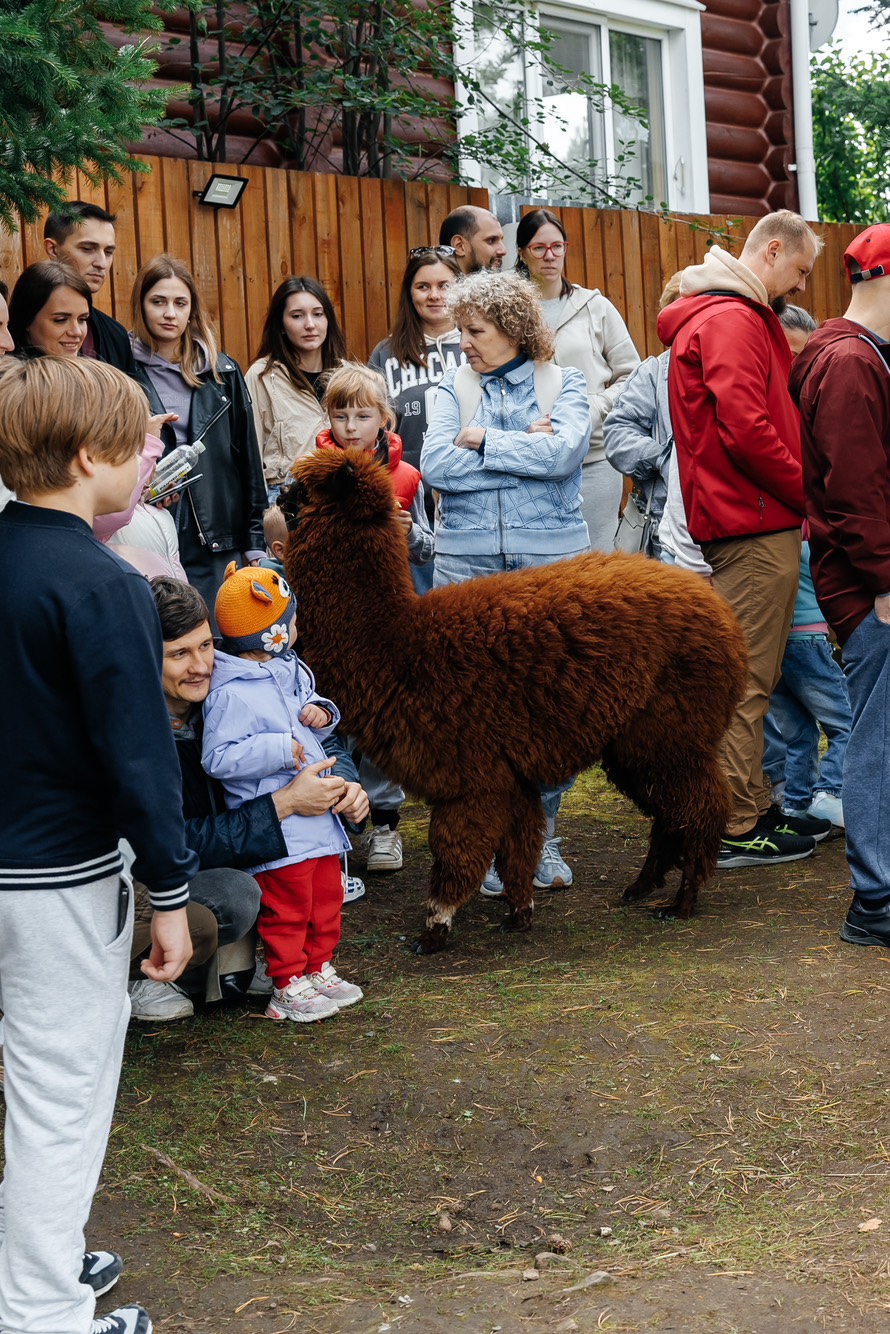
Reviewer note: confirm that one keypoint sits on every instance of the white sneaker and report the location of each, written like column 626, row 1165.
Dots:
column 826, row 806
column 327, row 983
column 353, row 888
column 158, row 1002
column 384, row 849
column 300, row 1001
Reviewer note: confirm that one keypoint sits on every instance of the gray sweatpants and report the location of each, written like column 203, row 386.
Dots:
column 63, row 990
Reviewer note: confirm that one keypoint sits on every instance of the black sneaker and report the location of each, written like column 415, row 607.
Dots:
column 101, row 1270
column 762, row 847
column 798, row 825
column 866, row 926
column 125, row 1320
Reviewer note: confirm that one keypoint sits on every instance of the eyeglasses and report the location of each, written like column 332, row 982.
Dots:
column 557, row 249
column 444, row 250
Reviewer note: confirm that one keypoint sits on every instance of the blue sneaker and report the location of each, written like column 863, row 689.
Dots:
column 492, row 885
column 552, row 872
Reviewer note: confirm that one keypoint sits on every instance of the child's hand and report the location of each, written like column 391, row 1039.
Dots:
column 297, row 751
column 404, row 519
column 313, row 715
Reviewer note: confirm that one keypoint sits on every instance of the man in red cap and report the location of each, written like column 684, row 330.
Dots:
column 841, row 383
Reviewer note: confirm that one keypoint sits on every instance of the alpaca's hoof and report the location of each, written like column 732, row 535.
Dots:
column 432, row 940
column 518, row 919
column 636, row 891
column 675, row 911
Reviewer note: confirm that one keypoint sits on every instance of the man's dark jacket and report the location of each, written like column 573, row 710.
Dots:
column 112, row 342
column 241, row 838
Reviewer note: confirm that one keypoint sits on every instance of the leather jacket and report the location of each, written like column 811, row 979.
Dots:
column 229, row 500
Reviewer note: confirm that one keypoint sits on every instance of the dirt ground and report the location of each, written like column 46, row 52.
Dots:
column 611, row 1123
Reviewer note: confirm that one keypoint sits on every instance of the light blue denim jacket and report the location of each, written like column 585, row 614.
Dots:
column 251, row 716
column 519, row 493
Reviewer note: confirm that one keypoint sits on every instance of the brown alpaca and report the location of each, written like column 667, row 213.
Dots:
column 474, row 695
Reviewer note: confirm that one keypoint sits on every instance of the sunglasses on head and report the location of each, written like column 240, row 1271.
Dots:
column 444, row 250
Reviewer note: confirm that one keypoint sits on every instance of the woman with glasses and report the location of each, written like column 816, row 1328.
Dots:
column 592, row 336
column 423, row 345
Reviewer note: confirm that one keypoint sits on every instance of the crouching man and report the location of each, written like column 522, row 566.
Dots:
column 225, row 841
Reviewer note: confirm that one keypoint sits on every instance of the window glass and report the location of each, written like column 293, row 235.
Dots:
column 500, row 69
column 573, row 125
column 636, row 69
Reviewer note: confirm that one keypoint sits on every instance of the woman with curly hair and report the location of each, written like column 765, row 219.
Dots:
column 507, row 438
column 590, row 334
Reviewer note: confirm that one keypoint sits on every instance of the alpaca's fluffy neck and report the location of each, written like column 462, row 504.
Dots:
column 356, row 607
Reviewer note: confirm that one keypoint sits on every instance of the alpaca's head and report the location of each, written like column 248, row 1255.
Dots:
column 338, row 483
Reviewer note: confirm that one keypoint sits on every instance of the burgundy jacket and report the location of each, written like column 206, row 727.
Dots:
column 735, row 428
column 841, row 383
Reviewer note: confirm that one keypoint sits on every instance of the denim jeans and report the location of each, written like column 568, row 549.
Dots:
column 812, row 691
column 867, row 765
column 457, row 570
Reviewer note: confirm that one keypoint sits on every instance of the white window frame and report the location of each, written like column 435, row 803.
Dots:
column 677, row 25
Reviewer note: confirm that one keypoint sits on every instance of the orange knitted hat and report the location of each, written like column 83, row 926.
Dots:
column 253, row 610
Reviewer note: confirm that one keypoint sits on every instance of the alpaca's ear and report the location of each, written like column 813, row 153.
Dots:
column 290, row 502
column 340, row 483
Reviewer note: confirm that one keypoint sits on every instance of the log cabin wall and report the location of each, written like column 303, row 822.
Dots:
column 746, row 51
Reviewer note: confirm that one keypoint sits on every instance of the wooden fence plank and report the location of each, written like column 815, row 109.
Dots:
column 126, row 256
column 352, row 261
column 635, row 319
column 205, row 256
column 232, row 294
column 179, row 207
column 576, row 263
column 650, row 227
column 594, row 264
column 377, row 316
column 418, row 215
column 304, row 240
column 613, row 257
column 395, row 236
column 327, row 225
column 254, row 212
column 280, row 255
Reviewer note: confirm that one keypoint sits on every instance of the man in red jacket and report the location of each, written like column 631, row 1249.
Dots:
column 842, row 385
column 738, row 451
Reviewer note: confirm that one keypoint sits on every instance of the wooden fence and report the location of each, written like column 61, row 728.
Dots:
column 354, row 235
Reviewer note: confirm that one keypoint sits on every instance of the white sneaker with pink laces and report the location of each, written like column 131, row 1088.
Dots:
column 327, row 983
column 301, row 1001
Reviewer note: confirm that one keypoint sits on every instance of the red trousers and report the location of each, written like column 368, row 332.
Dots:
column 299, row 922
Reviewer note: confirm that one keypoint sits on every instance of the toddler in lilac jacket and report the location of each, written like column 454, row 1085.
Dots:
column 262, row 722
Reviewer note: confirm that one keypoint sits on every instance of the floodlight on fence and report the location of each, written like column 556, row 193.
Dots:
column 221, row 191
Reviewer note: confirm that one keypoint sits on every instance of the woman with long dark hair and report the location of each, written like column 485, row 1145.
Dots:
column 49, row 311
column 592, row 336
column 178, row 364
column 302, row 341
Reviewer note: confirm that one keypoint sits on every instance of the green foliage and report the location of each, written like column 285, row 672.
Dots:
column 68, row 98
column 851, row 113
column 377, row 80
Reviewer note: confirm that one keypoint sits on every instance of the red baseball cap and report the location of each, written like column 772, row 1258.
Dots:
column 870, row 250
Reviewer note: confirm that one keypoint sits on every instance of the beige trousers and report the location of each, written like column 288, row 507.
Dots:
column 758, row 577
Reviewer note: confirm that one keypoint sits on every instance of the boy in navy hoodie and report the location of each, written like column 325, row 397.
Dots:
column 87, row 759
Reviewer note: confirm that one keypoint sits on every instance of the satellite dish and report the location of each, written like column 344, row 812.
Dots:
column 823, row 21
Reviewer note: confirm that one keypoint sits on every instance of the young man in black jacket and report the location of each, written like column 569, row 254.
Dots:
column 87, row 760
column 227, row 842
column 82, row 236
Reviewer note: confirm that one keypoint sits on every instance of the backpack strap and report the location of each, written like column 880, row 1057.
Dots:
column 548, row 385
column 468, row 391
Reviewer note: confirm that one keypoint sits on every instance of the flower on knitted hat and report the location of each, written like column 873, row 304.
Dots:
column 275, row 639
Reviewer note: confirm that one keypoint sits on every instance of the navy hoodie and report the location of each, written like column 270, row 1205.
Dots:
column 88, row 756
